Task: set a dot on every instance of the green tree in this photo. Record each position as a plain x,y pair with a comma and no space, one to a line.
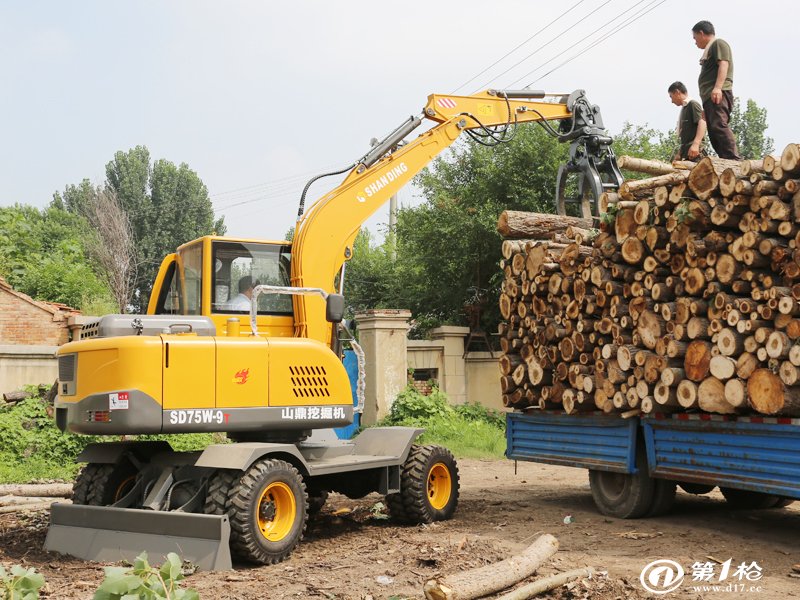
749,127
43,253
167,205
368,274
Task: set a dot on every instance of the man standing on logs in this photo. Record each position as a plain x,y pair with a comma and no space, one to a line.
716,88
691,124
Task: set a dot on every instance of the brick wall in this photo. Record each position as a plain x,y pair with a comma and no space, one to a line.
24,321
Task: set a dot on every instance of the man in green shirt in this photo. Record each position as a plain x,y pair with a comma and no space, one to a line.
716,88
691,124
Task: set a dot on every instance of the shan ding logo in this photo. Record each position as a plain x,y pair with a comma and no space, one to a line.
241,376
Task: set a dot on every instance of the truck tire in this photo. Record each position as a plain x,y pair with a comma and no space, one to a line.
696,488
745,499
784,502
428,486
268,512
663,497
623,495
317,501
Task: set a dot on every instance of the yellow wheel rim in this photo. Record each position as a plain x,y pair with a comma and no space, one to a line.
439,486
276,511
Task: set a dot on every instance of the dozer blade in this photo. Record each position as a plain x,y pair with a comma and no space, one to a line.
109,534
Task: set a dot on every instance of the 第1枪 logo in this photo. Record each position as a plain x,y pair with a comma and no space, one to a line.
662,576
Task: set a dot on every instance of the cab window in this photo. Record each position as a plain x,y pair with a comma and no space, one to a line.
170,297
239,266
191,258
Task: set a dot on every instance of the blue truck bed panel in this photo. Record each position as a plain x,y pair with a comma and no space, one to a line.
762,457
591,441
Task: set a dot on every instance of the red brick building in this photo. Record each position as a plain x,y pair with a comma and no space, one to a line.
25,321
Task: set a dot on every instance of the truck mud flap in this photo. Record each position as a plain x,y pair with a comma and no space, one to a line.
109,534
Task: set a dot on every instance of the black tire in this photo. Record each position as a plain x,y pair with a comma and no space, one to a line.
103,484
268,512
218,495
428,486
696,488
623,495
84,483
663,497
745,499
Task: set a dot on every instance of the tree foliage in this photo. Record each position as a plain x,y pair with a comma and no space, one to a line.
44,253
749,126
166,205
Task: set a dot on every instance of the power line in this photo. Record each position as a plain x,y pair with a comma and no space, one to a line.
507,54
578,22
603,26
630,21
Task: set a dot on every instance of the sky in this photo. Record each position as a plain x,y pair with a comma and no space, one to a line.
258,96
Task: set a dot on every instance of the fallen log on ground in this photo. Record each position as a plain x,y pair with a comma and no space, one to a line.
483,581
540,586
51,490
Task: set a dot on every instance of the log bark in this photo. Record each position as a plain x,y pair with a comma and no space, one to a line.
52,490
641,165
483,581
514,224
546,584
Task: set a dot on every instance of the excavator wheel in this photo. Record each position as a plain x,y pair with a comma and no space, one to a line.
218,496
103,484
268,512
317,501
428,486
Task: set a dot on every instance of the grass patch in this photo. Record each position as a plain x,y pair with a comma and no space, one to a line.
467,430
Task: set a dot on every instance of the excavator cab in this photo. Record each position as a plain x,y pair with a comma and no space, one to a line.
214,276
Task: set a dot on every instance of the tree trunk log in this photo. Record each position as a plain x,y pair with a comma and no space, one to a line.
515,224
697,361
704,178
483,581
641,165
711,397
53,490
768,395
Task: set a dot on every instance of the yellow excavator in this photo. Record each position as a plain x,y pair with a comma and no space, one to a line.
245,337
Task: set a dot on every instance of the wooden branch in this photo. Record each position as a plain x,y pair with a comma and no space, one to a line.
546,584
483,581
642,165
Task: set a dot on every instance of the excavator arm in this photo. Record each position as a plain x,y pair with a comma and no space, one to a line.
324,235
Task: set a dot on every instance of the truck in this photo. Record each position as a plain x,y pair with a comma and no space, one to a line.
635,464
245,337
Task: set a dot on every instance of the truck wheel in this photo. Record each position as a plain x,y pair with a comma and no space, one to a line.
746,499
268,512
103,484
663,497
623,495
428,486
696,488
784,502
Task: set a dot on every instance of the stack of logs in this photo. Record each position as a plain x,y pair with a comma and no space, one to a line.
686,298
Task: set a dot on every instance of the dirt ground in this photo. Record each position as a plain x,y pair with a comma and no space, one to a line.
355,555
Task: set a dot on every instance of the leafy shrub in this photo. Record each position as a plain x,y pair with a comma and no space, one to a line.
143,582
20,583
412,408
478,412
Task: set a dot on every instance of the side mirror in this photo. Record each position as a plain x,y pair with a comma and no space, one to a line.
334,308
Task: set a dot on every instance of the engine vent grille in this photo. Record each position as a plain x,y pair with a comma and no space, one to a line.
90,330
66,367
309,381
